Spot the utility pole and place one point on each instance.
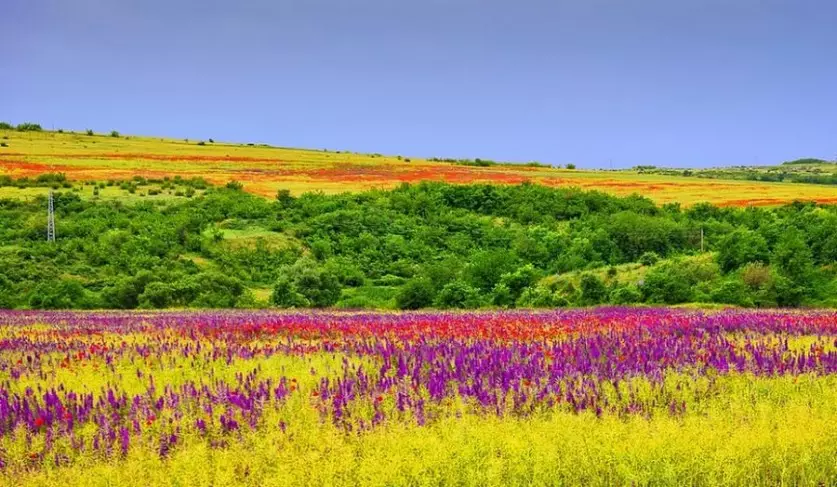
(701, 240)
(51, 220)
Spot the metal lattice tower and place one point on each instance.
(51, 220)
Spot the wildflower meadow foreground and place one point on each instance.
(582, 397)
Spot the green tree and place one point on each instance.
(741, 247)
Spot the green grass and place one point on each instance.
(251, 237)
(368, 296)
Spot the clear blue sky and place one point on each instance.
(665, 82)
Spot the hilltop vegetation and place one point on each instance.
(807, 170)
(417, 246)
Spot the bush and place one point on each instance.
(756, 275)
(61, 294)
(732, 291)
(458, 294)
(114, 133)
(515, 282)
(540, 297)
(234, 185)
(570, 166)
(6, 126)
(417, 293)
(89, 131)
(29, 127)
(593, 290)
(741, 247)
(306, 284)
(283, 196)
(625, 295)
(666, 284)
(347, 273)
(649, 258)
(502, 296)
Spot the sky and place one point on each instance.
(600, 83)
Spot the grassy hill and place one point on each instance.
(264, 170)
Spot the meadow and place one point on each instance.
(264, 170)
(607, 396)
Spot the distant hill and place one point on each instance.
(808, 161)
(28, 151)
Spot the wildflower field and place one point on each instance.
(264, 170)
(582, 397)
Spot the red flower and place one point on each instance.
(39, 421)
(379, 399)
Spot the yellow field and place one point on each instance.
(263, 170)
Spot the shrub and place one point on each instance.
(6, 126)
(89, 132)
(625, 295)
(347, 273)
(234, 185)
(732, 291)
(649, 258)
(114, 133)
(458, 294)
(741, 247)
(417, 293)
(666, 284)
(593, 290)
(3, 144)
(756, 275)
(570, 166)
(29, 127)
(305, 284)
(515, 282)
(540, 297)
(201, 143)
(283, 196)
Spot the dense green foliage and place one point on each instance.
(417, 246)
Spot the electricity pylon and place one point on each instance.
(51, 220)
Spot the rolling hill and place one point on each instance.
(264, 170)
